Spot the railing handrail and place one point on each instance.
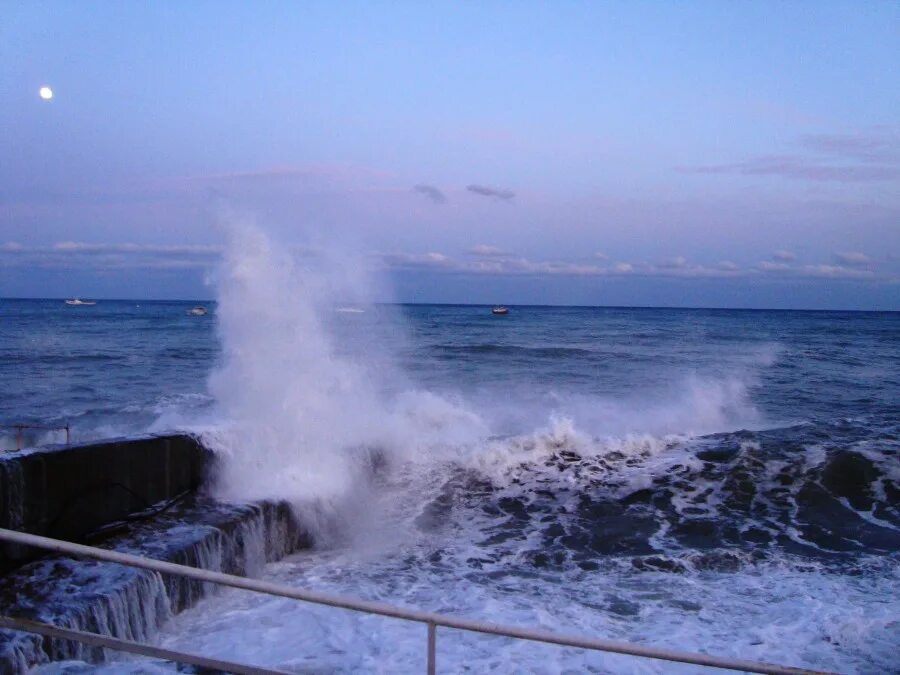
(96, 640)
(431, 619)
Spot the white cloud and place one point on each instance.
(73, 255)
(820, 271)
(784, 256)
(767, 266)
(848, 158)
(835, 272)
(416, 260)
(685, 270)
(678, 262)
(486, 251)
(499, 265)
(678, 268)
(482, 259)
(130, 247)
(854, 258)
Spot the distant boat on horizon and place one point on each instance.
(499, 309)
(78, 301)
(199, 310)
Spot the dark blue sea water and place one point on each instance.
(703, 479)
(123, 366)
(107, 369)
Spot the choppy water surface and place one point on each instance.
(724, 481)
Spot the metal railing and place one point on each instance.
(96, 640)
(430, 619)
(20, 432)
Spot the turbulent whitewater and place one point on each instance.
(714, 480)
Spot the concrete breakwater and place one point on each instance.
(142, 496)
(67, 492)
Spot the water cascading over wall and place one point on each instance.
(186, 527)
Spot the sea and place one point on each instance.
(715, 480)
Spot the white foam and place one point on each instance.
(307, 396)
(775, 613)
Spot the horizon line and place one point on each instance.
(488, 304)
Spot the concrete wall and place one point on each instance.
(130, 603)
(69, 492)
(66, 492)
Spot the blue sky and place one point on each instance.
(699, 154)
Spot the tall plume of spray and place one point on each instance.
(298, 415)
(307, 395)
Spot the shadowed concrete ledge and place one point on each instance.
(139, 495)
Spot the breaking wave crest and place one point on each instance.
(304, 402)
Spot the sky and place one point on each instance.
(712, 154)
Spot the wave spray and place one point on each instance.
(298, 414)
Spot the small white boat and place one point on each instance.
(78, 301)
(199, 310)
(499, 309)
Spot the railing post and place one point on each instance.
(432, 640)
(67, 434)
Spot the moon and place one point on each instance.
(46, 93)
